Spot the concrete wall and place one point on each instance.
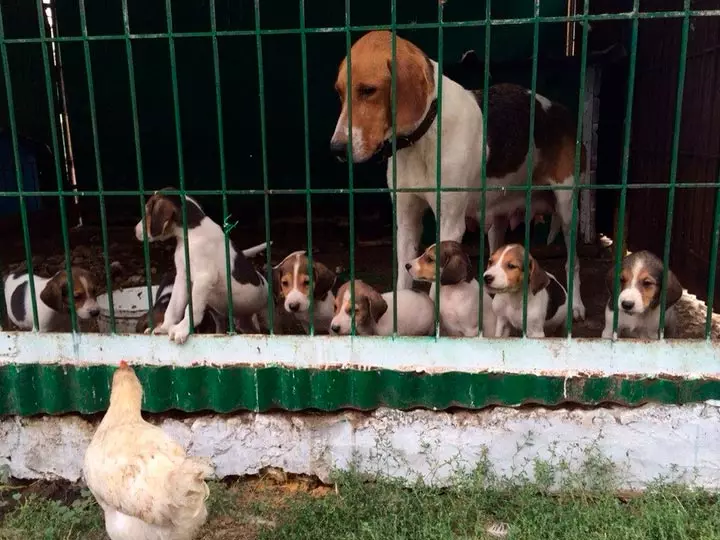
(644, 443)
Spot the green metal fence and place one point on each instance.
(87, 52)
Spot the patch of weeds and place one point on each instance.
(38, 518)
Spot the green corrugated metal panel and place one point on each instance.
(56, 389)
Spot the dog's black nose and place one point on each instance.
(335, 328)
(294, 306)
(488, 278)
(408, 266)
(338, 149)
(95, 312)
(627, 305)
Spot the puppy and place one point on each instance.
(638, 303)
(212, 322)
(291, 284)
(547, 299)
(459, 290)
(374, 313)
(206, 244)
(52, 299)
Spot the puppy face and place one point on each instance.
(55, 294)
(455, 265)
(161, 214)
(291, 281)
(369, 307)
(641, 277)
(504, 273)
(371, 59)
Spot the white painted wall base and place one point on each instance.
(644, 443)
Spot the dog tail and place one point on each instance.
(555, 226)
(251, 252)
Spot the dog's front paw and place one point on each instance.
(579, 311)
(162, 329)
(180, 332)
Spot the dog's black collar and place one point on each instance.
(404, 141)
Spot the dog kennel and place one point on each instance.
(233, 103)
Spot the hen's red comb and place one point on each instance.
(123, 364)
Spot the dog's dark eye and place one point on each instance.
(285, 283)
(367, 91)
(306, 281)
(511, 266)
(647, 284)
(77, 296)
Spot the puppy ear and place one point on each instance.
(538, 277)
(323, 279)
(610, 278)
(276, 277)
(52, 294)
(456, 268)
(162, 213)
(674, 290)
(378, 305)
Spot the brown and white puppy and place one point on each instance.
(638, 304)
(374, 312)
(508, 140)
(459, 290)
(52, 299)
(206, 245)
(546, 299)
(291, 284)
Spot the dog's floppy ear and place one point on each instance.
(161, 214)
(674, 289)
(323, 279)
(276, 277)
(456, 266)
(610, 278)
(377, 304)
(415, 81)
(53, 293)
(538, 277)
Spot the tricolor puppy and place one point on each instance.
(291, 284)
(508, 140)
(52, 298)
(459, 290)
(547, 299)
(638, 304)
(206, 244)
(374, 312)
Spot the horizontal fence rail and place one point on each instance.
(261, 364)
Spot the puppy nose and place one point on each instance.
(335, 328)
(95, 312)
(294, 306)
(338, 149)
(627, 305)
(488, 278)
(408, 266)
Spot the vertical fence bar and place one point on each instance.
(138, 159)
(351, 180)
(18, 169)
(181, 166)
(483, 166)
(50, 91)
(627, 131)
(674, 162)
(712, 274)
(98, 166)
(572, 252)
(529, 174)
(263, 142)
(308, 196)
(227, 227)
(438, 164)
(393, 118)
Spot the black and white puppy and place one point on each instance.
(638, 304)
(52, 299)
(206, 244)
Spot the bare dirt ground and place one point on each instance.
(373, 261)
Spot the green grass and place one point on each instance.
(581, 506)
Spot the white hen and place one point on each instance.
(142, 479)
